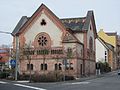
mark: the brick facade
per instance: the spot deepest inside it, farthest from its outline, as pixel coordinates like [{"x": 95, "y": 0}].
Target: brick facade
[{"x": 46, "y": 39}]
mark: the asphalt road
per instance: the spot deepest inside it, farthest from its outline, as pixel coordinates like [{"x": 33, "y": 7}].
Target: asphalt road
[{"x": 107, "y": 82}]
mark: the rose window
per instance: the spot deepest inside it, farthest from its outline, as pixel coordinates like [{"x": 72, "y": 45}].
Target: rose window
[{"x": 42, "y": 41}]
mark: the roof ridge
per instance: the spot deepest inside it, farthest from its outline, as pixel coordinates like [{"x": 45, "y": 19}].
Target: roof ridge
[{"x": 72, "y": 18}]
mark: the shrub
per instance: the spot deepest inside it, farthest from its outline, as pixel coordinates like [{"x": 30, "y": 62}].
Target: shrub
[
  {"x": 4, "y": 75},
  {"x": 104, "y": 67},
  {"x": 66, "y": 78},
  {"x": 49, "y": 77},
  {"x": 69, "y": 78},
  {"x": 24, "y": 77}
]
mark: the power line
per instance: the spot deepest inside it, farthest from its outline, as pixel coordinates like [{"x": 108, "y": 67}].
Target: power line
[{"x": 5, "y": 32}]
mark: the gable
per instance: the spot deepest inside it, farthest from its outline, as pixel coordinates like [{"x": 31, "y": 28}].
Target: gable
[
  {"x": 109, "y": 39},
  {"x": 37, "y": 14},
  {"x": 50, "y": 28},
  {"x": 43, "y": 20},
  {"x": 69, "y": 38},
  {"x": 90, "y": 20}
]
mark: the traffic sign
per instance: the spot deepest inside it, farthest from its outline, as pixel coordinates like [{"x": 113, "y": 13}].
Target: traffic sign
[{"x": 13, "y": 62}]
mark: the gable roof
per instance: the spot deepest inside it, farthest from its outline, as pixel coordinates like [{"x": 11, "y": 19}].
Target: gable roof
[
  {"x": 111, "y": 33},
  {"x": 74, "y": 23},
  {"x": 22, "y": 21},
  {"x": 80, "y": 24},
  {"x": 105, "y": 44},
  {"x": 21, "y": 26},
  {"x": 108, "y": 38}
]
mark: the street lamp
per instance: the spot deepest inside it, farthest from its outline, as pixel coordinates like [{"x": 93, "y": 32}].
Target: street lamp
[{"x": 17, "y": 51}]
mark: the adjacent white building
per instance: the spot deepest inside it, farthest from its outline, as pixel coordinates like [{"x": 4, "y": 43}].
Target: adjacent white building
[{"x": 101, "y": 50}]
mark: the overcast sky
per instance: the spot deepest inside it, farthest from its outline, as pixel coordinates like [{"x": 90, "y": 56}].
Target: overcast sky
[{"x": 106, "y": 12}]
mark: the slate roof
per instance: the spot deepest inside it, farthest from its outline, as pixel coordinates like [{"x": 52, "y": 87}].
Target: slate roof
[
  {"x": 22, "y": 21},
  {"x": 80, "y": 24},
  {"x": 74, "y": 23}
]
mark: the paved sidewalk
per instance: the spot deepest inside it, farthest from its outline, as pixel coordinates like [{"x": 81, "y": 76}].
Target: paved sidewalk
[
  {"x": 96, "y": 76},
  {"x": 77, "y": 80}
]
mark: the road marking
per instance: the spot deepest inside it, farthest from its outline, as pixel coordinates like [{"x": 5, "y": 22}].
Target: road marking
[
  {"x": 36, "y": 88},
  {"x": 81, "y": 83},
  {"x": 3, "y": 82},
  {"x": 23, "y": 81},
  {"x": 77, "y": 83}
]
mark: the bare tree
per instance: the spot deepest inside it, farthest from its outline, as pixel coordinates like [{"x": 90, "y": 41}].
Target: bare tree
[{"x": 27, "y": 52}]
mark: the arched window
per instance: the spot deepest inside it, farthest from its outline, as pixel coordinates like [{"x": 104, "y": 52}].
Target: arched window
[
  {"x": 69, "y": 52},
  {"x": 44, "y": 66},
  {"x": 42, "y": 40},
  {"x": 58, "y": 66},
  {"x": 91, "y": 44},
  {"x": 29, "y": 66},
  {"x": 71, "y": 66}
]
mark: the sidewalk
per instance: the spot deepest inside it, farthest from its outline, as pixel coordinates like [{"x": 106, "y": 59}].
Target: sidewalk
[
  {"x": 77, "y": 80},
  {"x": 95, "y": 76}
]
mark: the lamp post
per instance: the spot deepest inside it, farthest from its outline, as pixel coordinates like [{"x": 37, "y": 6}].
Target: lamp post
[{"x": 17, "y": 51}]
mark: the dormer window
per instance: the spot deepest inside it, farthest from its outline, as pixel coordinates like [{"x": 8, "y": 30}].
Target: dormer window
[{"x": 43, "y": 22}]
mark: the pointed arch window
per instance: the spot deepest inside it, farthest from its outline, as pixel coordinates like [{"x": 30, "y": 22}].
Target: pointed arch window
[
  {"x": 91, "y": 44},
  {"x": 69, "y": 52}
]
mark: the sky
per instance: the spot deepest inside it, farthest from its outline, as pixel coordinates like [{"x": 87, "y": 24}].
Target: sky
[{"x": 106, "y": 12}]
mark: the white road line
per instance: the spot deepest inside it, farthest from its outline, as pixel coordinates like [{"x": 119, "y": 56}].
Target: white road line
[
  {"x": 81, "y": 83},
  {"x": 3, "y": 82},
  {"x": 77, "y": 83},
  {"x": 23, "y": 81},
  {"x": 36, "y": 88}
]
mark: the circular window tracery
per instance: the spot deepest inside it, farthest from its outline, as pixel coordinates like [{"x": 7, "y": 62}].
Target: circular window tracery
[{"x": 42, "y": 40}]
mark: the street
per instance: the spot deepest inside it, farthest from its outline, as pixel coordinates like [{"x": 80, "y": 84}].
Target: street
[{"x": 107, "y": 82}]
